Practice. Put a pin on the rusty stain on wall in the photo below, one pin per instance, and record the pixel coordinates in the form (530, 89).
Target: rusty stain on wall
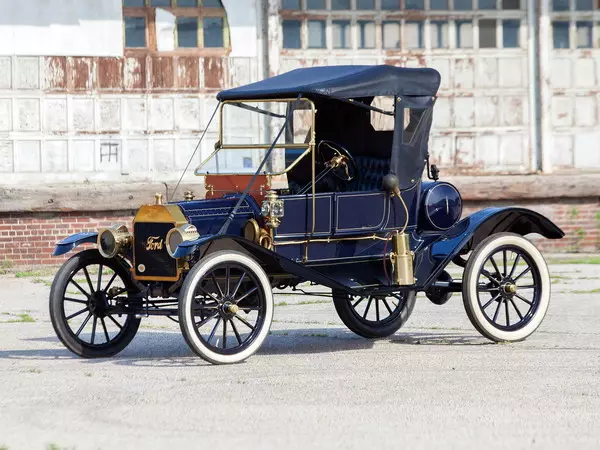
(214, 73)
(162, 73)
(110, 73)
(55, 72)
(80, 74)
(188, 76)
(134, 73)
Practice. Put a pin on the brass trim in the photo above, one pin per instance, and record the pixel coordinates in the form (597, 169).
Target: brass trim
(328, 240)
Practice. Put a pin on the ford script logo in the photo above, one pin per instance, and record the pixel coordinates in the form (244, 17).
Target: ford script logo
(154, 243)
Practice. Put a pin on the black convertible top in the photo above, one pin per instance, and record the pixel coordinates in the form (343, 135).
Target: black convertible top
(341, 82)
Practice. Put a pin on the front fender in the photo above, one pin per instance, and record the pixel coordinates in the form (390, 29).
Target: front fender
(469, 232)
(69, 243)
(271, 261)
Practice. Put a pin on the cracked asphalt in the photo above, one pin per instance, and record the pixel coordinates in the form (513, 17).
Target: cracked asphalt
(436, 383)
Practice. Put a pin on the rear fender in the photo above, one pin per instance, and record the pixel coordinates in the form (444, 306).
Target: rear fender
(69, 243)
(469, 232)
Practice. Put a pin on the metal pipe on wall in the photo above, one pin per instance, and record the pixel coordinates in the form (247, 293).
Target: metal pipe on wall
(534, 86)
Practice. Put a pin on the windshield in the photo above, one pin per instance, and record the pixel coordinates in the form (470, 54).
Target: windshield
(248, 129)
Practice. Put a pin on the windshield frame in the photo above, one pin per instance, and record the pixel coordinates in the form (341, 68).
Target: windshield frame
(309, 147)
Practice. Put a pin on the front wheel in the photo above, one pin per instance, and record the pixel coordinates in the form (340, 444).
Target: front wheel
(226, 307)
(88, 305)
(374, 316)
(506, 288)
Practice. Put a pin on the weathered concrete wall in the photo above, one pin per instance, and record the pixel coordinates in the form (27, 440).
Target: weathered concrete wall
(109, 117)
(61, 27)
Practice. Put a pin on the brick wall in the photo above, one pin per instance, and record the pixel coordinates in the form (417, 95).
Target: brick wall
(27, 239)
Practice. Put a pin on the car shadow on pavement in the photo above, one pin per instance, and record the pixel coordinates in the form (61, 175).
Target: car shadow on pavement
(168, 348)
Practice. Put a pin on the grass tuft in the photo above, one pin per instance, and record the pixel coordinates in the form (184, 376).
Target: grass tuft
(584, 260)
(35, 370)
(22, 318)
(590, 291)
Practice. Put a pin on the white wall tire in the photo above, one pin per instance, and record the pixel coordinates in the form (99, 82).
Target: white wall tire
(226, 298)
(494, 309)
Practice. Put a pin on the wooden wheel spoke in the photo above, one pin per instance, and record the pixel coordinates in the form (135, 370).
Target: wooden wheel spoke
(115, 322)
(505, 262)
(235, 331)
(209, 294)
(387, 306)
(490, 277)
(227, 282)
(77, 313)
(367, 308)
(110, 282)
(523, 299)
(225, 334)
(526, 271)
(506, 312)
(237, 286)
(497, 311)
(105, 330)
(94, 329)
(87, 319)
(514, 267)
(244, 321)
(214, 279)
(212, 333)
(75, 300)
(491, 301)
(89, 280)
(205, 320)
(357, 302)
(495, 267)
(250, 292)
(83, 291)
(377, 309)
(99, 278)
(516, 309)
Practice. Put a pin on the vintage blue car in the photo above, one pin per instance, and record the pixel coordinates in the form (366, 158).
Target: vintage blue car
(329, 191)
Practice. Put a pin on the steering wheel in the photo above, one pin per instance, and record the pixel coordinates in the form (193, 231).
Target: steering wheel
(333, 155)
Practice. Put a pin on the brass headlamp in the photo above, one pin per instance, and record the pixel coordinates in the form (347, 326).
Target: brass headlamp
(113, 240)
(272, 209)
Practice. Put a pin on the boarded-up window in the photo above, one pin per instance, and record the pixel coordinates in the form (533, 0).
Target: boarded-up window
(391, 35)
(341, 33)
(367, 34)
(316, 34)
(464, 34)
(291, 34)
(584, 34)
(439, 34)
(413, 31)
(487, 33)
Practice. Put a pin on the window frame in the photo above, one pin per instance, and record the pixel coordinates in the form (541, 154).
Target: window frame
(199, 12)
(427, 18)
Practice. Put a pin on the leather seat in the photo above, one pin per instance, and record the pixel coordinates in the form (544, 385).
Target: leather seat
(370, 173)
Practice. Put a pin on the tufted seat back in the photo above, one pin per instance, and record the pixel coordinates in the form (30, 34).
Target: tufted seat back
(370, 173)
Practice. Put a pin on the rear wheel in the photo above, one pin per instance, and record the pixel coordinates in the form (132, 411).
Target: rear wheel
(374, 317)
(506, 287)
(226, 307)
(87, 298)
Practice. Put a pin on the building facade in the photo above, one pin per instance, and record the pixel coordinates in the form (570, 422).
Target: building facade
(102, 102)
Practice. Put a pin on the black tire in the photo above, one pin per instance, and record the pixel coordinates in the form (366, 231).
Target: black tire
(123, 327)
(396, 315)
(505, 301)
